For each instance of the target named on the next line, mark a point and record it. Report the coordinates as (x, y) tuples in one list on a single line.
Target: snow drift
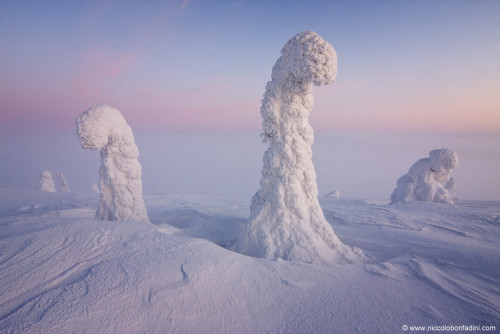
[(45, 182), (333, 194), (103, 128), (429, 179), (61, 271), (286, 220)]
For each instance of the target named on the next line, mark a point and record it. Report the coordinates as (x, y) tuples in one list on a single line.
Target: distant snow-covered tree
[(286, 220), (429, 179), (64, 182), (45, 182), (103, 128)]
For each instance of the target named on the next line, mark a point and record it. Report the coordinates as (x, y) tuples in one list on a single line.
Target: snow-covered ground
[(62, 271)]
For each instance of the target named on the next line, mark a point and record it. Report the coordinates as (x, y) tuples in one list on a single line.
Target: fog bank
[(358, 165)]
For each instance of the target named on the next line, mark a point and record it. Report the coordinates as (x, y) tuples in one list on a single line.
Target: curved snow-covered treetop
[(309, 58), (99, 124), (429, 179), (286, 220), (306, 59), (103, 128)]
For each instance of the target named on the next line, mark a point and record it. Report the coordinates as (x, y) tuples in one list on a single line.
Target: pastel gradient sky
[(404, 66)]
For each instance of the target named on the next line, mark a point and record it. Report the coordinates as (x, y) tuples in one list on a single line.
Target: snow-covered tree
[(286, 220), (103, 128), (46, 183), (64, 182), (429, 179)]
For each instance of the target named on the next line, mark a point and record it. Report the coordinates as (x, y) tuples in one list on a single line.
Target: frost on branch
[(64, 182), (103, 128), (45, 183), (286, 220), (429, 179)]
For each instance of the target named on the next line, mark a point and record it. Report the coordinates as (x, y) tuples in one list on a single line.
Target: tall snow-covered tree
[(103, 128), (286, 220)]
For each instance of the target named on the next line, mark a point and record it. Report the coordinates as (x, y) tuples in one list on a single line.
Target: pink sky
[(180, 66)]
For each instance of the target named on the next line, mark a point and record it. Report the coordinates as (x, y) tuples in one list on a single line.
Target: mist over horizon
[(358, 165)]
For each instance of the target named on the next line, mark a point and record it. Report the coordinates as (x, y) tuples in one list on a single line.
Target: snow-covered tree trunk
[(103, 128), (286, 220), (46, 183)]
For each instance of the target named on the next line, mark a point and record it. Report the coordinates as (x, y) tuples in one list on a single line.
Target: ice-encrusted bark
[(429, 179), (103, 128), (64, 182), (286, 220), (45, 182)]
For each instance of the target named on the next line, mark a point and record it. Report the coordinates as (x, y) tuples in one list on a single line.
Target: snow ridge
[(286, 220), (103, 128)]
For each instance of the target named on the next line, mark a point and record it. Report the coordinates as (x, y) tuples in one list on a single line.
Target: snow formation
[(45, 183), (429, 179), (103, 128), (333, 194), (286, 220), (61, 271), (64, 182)]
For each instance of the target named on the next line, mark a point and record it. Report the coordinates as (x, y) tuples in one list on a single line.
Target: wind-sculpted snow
[(62, 271), (64, 182), (103, 128), (429, 179), (333, 194), (286, 220), (46, 183)]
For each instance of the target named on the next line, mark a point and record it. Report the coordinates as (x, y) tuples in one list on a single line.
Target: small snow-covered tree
[(429, 179), (103, 128), (64, 182), (333, 194), (45, 182), (286, 220)]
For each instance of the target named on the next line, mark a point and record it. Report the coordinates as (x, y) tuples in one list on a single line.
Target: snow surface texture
[(102, 127), (62, 271), (333, 194), (429, 179), (46, 183), (286, 221), (64, 182)]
